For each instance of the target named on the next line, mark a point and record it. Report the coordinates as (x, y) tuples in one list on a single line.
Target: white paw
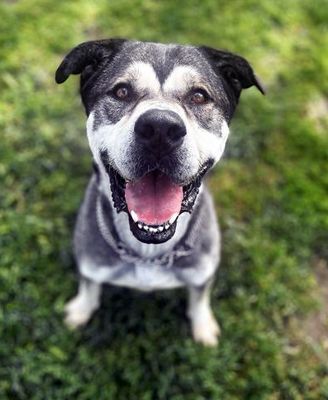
[(77, 314), (206, 330)]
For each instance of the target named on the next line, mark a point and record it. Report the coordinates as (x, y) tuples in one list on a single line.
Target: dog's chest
[(141, 276), (150, 277)]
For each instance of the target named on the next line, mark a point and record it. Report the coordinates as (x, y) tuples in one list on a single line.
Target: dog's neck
[(145, 250)]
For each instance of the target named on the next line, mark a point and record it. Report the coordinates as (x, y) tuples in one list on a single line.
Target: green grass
[(270, 192)]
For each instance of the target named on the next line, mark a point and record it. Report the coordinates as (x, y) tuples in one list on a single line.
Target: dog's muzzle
[(155, 199), (160, 131)]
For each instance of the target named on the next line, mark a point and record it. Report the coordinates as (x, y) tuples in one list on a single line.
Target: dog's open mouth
[(154, 202)]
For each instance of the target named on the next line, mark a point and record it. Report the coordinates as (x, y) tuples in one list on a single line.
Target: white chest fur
[(145, 277), (149, 276)]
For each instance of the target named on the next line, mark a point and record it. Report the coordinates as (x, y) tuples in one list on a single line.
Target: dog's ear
[(235, 69), (86, 57)]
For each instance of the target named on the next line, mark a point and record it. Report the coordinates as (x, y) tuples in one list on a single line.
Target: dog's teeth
[(134, 216), (173, 218), (151, 229)]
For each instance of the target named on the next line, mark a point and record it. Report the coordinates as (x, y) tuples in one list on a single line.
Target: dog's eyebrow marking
[(143, 76), (181, 78)]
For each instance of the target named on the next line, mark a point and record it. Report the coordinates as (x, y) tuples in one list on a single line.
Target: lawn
[(271, 194)]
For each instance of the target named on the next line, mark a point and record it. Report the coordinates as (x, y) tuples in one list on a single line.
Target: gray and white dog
[(158, 118)]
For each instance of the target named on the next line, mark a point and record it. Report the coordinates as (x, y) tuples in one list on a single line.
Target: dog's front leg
[(205, 328), (80, 309)]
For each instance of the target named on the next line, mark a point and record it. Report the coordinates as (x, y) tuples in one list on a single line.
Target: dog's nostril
[(176, 132), (147, 131)]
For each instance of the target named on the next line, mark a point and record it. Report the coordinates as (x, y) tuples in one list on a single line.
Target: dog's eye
[(199, 96), (121, 92)]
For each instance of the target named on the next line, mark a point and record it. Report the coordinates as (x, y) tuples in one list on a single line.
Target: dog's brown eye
[(122, 92), (199, 96)]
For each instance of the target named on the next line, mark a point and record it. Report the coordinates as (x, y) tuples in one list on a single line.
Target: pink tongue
[(155, 198)]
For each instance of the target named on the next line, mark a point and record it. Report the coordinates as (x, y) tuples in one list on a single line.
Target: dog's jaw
[(152, 234), (145, 232)]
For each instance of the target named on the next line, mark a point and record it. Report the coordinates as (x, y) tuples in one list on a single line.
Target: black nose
[(160, 131)]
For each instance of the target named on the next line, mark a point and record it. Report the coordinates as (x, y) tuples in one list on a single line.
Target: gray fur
[(107, 248), (196, 264)]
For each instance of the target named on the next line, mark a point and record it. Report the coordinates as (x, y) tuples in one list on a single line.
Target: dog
[(157, 121)]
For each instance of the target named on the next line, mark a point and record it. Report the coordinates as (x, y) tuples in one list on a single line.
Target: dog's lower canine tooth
[(140, 226), (173, 218), (167, 226), (134, 216)]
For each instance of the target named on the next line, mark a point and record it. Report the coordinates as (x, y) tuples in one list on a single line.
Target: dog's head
[(158, 119)]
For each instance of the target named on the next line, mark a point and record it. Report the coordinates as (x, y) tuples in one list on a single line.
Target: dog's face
[(157, 121)]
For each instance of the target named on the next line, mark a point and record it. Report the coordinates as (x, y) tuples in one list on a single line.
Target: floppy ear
[(86, 57), (235, 69)]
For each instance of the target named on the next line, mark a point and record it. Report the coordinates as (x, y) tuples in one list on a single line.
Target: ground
[(270, 295)]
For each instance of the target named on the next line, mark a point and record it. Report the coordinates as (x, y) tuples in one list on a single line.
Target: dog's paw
[(206, 330), (76, 313)]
